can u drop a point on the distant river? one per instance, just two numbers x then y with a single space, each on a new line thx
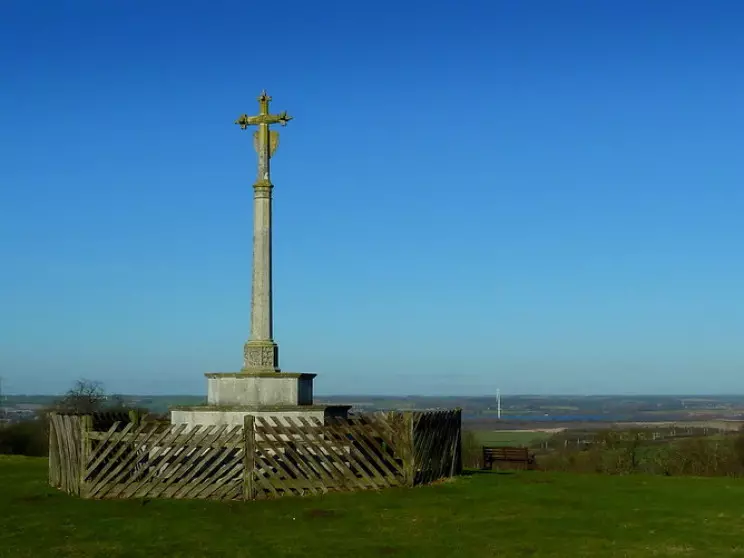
550 418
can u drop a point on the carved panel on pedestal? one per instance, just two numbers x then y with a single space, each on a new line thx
260 356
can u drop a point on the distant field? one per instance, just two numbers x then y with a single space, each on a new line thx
483 515
511 437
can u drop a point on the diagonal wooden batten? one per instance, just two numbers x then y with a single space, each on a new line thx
369 449
297 441
197 461
355 455
203 472
292 459
341 440
311 456
105 448
377 478
178 490
273 463
344 476
315 461
381 429
232 457
367 456
185 455
175 467
227 475
233 434
334 457
386 462
264 488
271 472
100 447
374 451
134 448
162 447
382 424
235 494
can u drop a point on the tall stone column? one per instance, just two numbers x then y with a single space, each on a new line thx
261 353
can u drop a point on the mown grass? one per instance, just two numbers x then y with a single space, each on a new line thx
484 514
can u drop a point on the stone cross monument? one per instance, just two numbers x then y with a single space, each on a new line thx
260 388
261 352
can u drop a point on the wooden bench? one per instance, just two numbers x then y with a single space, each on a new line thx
508 458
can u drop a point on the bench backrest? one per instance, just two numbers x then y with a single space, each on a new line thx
507 453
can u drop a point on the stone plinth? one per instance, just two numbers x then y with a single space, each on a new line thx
235 415
260 388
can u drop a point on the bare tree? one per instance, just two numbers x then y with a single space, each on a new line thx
86 396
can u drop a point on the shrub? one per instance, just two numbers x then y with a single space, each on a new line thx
30 437
472 450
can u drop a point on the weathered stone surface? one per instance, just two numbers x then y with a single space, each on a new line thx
260 352
260 389
234 416
258 356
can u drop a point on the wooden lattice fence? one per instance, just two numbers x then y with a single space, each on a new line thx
267 457
436 445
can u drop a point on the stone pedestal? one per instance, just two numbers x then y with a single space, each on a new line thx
232 396
260 388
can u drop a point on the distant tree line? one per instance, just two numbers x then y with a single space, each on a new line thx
31 437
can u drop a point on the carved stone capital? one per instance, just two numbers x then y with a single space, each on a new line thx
260 356
262 190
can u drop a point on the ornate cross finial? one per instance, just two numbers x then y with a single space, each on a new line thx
263 117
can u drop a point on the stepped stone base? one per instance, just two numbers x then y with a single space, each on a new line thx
235 415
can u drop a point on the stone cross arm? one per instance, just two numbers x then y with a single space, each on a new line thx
282 118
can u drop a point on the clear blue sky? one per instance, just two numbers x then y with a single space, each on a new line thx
543 196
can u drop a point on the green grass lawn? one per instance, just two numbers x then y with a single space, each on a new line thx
486 514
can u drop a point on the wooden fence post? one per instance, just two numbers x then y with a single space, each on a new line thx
407 446
249 457
457 457
86 427
53 452
134 416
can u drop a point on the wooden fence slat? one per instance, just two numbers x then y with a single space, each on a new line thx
143 435
230 459
374 451
105 484
269 464
293 461
340 471
53 455
321 458
189 480
161 448
233 435
185 457
106 447
362 464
